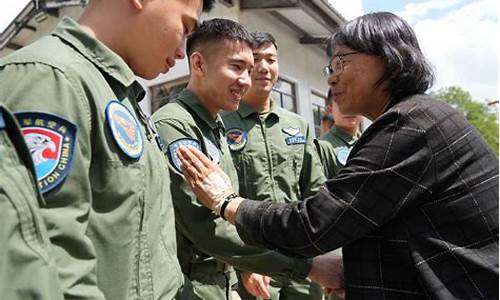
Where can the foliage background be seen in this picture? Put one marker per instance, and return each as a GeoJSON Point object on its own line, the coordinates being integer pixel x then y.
{"type": "Point", "coordinates": [477, 113]}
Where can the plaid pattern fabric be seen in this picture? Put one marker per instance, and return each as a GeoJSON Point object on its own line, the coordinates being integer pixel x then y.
{"type": "Point", "coordinates": [415, 210]}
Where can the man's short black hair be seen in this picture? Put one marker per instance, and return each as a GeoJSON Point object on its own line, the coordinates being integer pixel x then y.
{"type": "Point", "coordinates": [262, 38]}
{"type": "Point", "coordinates": [388, 36]}
{"type": "Point", "coordinates": [208, 5]}
{"type": "Point", "coordinates": [216, 31]}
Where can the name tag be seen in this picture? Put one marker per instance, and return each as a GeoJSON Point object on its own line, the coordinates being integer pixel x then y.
{"type": "Point", "coordinates": [294, 140]}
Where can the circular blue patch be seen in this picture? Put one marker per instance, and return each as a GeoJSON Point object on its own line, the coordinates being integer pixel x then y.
{"type": "Point", "coordinates": [125, 129]}
{"type": "Point", "coordinates": [236, 139]}
{"type": "Point", "coordinates": [213, 151]}
{"type": "Point", "coordinates": [343, 154]}
{"type": "Point", "coordinates": [172, 150]}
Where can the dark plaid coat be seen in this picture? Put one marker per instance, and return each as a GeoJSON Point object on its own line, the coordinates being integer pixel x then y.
{"type": "Point", "coordinates": [415, 210]}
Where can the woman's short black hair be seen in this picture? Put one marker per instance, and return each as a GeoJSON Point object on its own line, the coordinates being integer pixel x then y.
{"type": "Point", "coordinates": [262, 38]}
{"type": "Point", "coordinates": [388, 36]}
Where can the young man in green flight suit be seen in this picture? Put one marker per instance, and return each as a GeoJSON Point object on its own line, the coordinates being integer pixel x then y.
{"type": "Point", "coordinates": [28, 270]}
{"type": "Point", "coordinates": [220, 61]}
{"type": "Point", "coordinates": [335, 145]}
{"type": "Point", "coordinates": [108, 206]}
{"type": "Point", "coordinates": [273, 154]}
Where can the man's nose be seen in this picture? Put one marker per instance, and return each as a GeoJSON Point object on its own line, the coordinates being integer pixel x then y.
{"type": "Point", "coordinates": [245, 80]}
{"type": "Point", "coordinates": [262, 67]}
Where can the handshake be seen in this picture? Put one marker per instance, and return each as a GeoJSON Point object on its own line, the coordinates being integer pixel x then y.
{"type": "Point", "coordinates": [326, 270]}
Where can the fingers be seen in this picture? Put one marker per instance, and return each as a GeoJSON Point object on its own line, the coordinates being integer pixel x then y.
{"type": "Point", "coordinates": [202, 157]}
{"type": "Point", "coordinates": [194, 161]}
{"type": "Point", "coordinates": [256, 284]}
{"type": "Point", "coordinates": [340, 293]}
{"type": "Point", "coordinates": [267, 280]}
{"type": "Point", "coordinates": [264, 287]}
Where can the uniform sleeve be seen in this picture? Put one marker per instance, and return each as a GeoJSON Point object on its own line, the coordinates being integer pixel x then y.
{"type": "Point", "coordinates": [311, 175]}
{"type": "Point", "coordinates": [384, 175]}
{"type": "Point", "coordinates": [326, 153]}
{"type": "Point", "coordinates": [210, 233]}
{"type": "Point", "coordinates": [26, 264]}
{"type": "Point", "coordinates": [43, 89]}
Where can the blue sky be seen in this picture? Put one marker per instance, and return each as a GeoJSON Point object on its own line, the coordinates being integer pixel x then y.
{"type": "Point", "coordinates": [459, 37]}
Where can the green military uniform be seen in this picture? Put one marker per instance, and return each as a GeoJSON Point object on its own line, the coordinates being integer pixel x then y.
{"type": "Point", "coordinates": [28, 270]}
{"type": "Point", "coordinates": [275, 160]}
{"type": "Point", "coordinates": [204, 236]}
{"type": "Point", "coordinates": [109, 213]}
{"type": "Point", "coordinates": [334, 148]}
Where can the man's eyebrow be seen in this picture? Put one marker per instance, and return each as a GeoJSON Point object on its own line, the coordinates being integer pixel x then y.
{"type": "Point", "coordinates": [238, 60]}
{"type": "Point", "coordinates": [264, 54]}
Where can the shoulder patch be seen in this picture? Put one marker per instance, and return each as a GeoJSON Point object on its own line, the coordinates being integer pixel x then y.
{"type": "Point", "coordinates": [51, 141]}
{"type": "Point", "coordinates": [343, 154]}
{"type": "Point", "coordinates": [125, 129]}
{"type": "Point", "coordinates": [172, 150]}
{"type": "Point", "coordinates": [213, 151]}
{"type": "Point", "coordinates": [236, 139]}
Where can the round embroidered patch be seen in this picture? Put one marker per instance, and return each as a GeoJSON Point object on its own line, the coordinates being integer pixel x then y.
{"type": "Point", "coordinates": [125, 129]}
{"type": "Point", "coordinates": [236, 139]}
{"type": "Point", "coordinates": [343, 154]}
{"type": "Point", "coordinates": [51, 141]}
{"type": "Point", "coordinates": [172, 150]}
{"type": "Point", "coordinates": [213, 151]}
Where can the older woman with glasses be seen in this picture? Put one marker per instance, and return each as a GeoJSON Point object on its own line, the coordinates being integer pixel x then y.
{"type": "Point", "coordinates": [416, 206]}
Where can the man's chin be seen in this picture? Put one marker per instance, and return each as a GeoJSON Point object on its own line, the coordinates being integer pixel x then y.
{"type": "Point", "coordinates": [232, 107]}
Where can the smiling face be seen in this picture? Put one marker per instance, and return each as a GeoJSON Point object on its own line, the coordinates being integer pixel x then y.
{"type": "Point", "coordinates": [224, 76]}
{"type": "Point", "coordinates": [355, 90]}
{"type": "Point", "coordinates": [266, 69]}
{"type": "Point", "coordinates": [159, 34]}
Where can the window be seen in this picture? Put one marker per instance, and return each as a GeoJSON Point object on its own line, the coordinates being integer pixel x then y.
{"type": "Point", "coordinates": [319, 110]}
{"type": "Point", "coordinates": [164, 93]}
{"type": "Point", "coordinates": [284, 95]}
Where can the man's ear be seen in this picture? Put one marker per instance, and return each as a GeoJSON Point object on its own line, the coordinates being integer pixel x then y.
{"type": "Point", "coordinates": [137, 4]}
{"type": "Point", "coordinates": [197, 62]}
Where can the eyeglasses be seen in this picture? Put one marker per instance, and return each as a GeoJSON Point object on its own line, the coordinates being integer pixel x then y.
{"type": "Point", "coordinates": [336, 66]}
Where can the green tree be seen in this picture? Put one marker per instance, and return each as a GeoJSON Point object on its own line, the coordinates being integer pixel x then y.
{"type": "Point", "coordinates": [476, 113]}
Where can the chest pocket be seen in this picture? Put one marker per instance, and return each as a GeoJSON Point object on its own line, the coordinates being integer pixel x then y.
{"type": "Point", "coordinates": [245, 174]}
{"type": "Point", "coordinates": [287, 155]}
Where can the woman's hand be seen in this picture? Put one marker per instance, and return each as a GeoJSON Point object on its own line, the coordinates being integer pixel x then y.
{"type": "Point", "coordinates": [256, 284]}
{"type": "Point", "coordinates": [209, 183]}
{"type": "Point", "coordinates": [328, 271]}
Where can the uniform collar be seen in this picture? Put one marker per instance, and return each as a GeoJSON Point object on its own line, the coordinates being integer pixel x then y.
{"type": "Point", "coordinates": [189, 99]}
{"type": "Point", "coordinates": [96, 52]}
{"type": "Point", "coordinates": [246, 110]}
{"type": "Point", "coordinates": [344, 136]}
